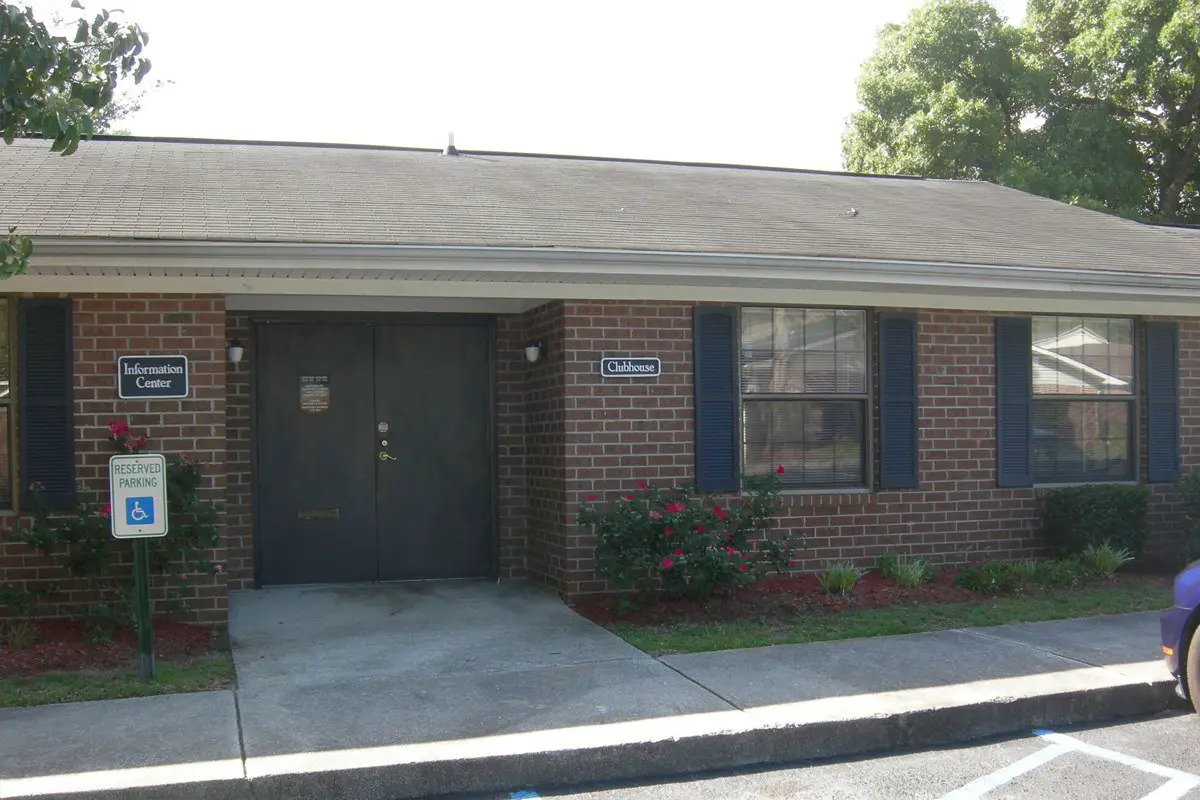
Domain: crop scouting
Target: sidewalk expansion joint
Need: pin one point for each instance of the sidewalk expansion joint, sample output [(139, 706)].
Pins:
[(1035, 648), (687, 677)]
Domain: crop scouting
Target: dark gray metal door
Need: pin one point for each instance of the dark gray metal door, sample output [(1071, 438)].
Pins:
[(434, 500), (336, 504), (316, 479)]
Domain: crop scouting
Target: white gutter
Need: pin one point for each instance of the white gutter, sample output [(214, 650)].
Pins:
[(227, 267)]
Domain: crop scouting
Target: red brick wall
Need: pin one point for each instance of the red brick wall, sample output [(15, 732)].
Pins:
[(106, 326), (618, 432), (238, 524)]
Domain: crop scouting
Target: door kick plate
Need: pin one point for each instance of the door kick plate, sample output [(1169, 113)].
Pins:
[(318, 513)]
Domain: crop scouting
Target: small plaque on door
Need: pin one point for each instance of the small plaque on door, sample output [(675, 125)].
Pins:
[(314, 394), (319, 513)]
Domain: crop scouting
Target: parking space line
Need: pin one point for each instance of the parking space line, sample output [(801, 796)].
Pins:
[(1173, 789), (1174, 775), (981, 786), (1178, 784)]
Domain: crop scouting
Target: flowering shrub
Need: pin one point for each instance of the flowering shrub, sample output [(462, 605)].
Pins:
[(672, 541), (81, 541)]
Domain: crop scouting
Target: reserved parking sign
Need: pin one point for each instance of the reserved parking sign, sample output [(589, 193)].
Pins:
[(137, 488)]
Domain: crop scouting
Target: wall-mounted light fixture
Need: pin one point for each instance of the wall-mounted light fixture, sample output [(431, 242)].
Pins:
[(235, 351), (534, 351)]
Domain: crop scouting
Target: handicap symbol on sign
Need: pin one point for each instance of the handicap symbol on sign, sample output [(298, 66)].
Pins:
[(139, 510)]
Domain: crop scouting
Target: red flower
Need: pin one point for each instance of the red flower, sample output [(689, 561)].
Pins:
[(674, 508), (791, 563), (641, 484), (676, 552), (118, 428), (667, 531), (729, 550), (779, 470), (742, 567), (666, 563), (629, 497), (106, 511), (182, 576), (719, 513), (591, 498), (699, 529)]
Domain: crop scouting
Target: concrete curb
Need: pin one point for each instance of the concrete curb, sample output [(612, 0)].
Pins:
[(715, 750), (835, 727)]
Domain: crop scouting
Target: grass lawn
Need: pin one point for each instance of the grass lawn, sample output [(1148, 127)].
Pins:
[(819, 625), (198, 674)]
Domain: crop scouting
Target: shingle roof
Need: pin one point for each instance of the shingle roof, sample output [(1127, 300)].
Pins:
[(254, 192)]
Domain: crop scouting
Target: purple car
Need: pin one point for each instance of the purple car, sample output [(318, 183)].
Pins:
[(1181, 634)]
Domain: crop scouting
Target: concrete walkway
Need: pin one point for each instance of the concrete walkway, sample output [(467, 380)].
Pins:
[(417, 690)]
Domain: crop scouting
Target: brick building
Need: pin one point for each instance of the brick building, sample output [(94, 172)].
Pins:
[(419, 392)]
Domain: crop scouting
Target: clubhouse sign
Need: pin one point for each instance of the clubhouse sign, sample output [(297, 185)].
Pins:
[(630, 367)]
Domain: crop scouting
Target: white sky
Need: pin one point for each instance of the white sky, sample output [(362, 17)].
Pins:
[(747, 82)]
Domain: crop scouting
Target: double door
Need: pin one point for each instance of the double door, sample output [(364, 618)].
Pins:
[(374, 452)]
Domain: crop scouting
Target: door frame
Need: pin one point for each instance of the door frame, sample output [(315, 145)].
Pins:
[(258, 319)]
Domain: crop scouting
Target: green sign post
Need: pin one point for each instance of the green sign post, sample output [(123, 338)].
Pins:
[(137, 488)]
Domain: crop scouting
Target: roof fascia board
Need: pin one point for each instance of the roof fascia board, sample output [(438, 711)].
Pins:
[(534, 293), (584, 266)]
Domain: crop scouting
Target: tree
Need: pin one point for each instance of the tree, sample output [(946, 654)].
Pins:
[(57, 89), (1095, 102)]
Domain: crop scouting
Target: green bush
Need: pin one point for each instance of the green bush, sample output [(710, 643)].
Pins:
[(1079, 516), (886, 563), (1188, 490), (656, 540), (1104, 559), (911, 573), (839, 578), (990, 577)]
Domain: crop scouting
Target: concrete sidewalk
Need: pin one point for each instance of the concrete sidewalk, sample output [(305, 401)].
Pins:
[(604, 711)]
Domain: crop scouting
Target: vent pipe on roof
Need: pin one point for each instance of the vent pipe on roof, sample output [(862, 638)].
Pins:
[(450, 150)]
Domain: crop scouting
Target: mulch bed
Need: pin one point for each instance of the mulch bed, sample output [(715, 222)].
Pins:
[(60, 646), (783, 598)]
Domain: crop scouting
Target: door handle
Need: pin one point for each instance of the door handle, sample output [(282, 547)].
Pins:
[(386, 456)]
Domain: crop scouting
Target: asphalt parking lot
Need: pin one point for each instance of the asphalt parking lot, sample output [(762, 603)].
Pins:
[(1144, 759)]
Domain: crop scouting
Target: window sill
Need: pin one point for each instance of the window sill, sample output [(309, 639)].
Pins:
[(1072, 484), (861, 490)]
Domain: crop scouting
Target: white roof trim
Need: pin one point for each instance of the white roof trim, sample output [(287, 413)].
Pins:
[(237, 268)]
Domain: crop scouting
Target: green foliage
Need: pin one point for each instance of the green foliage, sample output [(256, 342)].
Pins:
[(672, 541), (910, 573), (1104, 559), (840, 577), (990, 577), (58, 89), (1078, 516), (1093, 102), (18, 634), (81, 543), (886, 563), (1187, 489)]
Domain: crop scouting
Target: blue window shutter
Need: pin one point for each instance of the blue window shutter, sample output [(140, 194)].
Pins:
[(715, 336), (897, 401), (47, 446), (1162, 401), (1014, 401)]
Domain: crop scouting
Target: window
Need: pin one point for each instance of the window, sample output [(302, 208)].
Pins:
[(7, 396), (804, 395), (1083, 399)]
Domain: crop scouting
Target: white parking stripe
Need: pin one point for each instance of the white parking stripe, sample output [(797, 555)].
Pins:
[(1173, 789), (1121, 758), (981, 786)]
